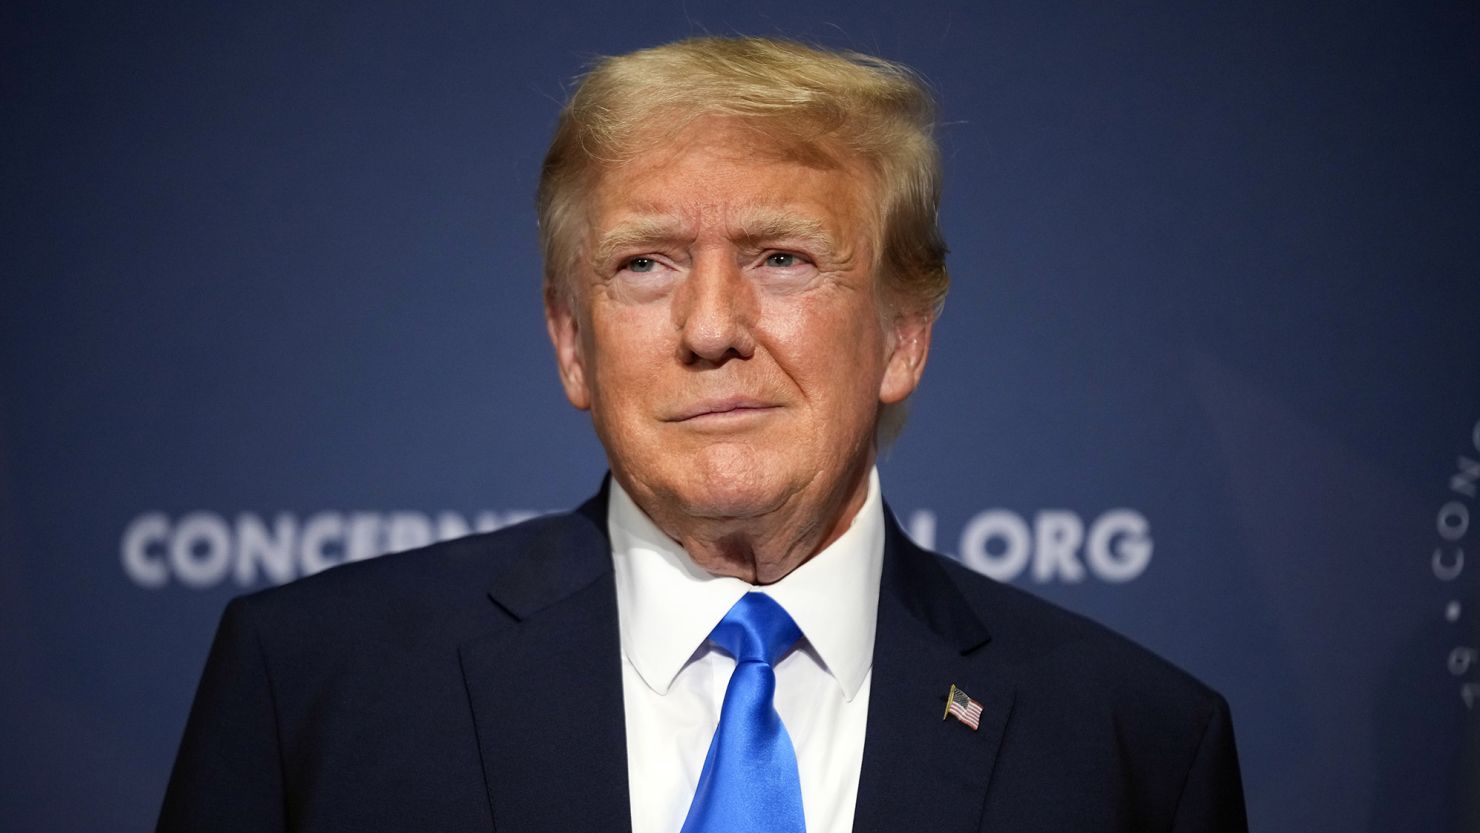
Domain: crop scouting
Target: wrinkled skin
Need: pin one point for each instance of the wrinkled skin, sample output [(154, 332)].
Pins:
[(728, 336)]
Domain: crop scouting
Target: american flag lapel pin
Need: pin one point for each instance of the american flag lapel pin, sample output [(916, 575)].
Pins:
[(965, 709)]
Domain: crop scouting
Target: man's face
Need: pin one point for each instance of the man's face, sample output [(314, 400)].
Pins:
[(728, 335)]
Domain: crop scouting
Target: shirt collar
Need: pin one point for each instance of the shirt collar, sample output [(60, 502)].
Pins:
[(667, 604)]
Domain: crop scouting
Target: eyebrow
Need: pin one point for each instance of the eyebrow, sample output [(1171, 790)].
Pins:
[(635, 233), (755, 228), (761, 227)]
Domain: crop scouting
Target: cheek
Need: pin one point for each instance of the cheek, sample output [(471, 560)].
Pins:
[(834, 351), (626, 349), (830, 319)]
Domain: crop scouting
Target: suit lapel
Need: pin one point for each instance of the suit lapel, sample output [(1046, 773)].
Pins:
[(921, 772), (546, 686)]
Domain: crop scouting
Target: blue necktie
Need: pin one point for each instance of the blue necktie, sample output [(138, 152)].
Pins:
[(749, 783)]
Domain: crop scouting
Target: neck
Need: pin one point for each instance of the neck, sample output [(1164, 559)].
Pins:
[(765, 548)]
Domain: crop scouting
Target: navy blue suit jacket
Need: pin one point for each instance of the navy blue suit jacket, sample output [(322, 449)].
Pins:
[(476, 685)]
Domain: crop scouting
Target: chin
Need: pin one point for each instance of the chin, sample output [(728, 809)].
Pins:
[(729, 482), (722, 504)]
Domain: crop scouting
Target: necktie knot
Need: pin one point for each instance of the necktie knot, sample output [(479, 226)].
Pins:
[(756, 629)]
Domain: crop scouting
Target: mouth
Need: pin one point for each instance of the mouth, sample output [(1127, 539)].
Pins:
[(723, 410)]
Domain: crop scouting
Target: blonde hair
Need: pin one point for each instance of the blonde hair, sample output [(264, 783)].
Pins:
[(809, 99)]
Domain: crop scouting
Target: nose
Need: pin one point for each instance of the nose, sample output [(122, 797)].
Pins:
[(713, 310)]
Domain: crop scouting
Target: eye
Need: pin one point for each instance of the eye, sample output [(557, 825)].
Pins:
[(640, 264), (782, 260)]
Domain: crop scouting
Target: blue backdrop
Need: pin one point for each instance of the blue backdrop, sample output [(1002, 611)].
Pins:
[(1209, 371)]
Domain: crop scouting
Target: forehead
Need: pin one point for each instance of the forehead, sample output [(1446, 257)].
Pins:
[(724, 171)]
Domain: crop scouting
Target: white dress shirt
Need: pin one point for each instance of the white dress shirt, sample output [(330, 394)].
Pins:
[(673, 681)]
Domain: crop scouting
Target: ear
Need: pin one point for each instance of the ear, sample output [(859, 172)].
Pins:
[(565, 335), (906, 360)]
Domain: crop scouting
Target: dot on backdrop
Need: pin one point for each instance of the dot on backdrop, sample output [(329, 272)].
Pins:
[(1209, 371)]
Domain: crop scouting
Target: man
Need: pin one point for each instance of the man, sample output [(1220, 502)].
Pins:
[(742, 272)]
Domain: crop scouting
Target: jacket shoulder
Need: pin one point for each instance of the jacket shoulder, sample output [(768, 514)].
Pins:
[(441, 585), (1088, 702), (1055, 646)]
